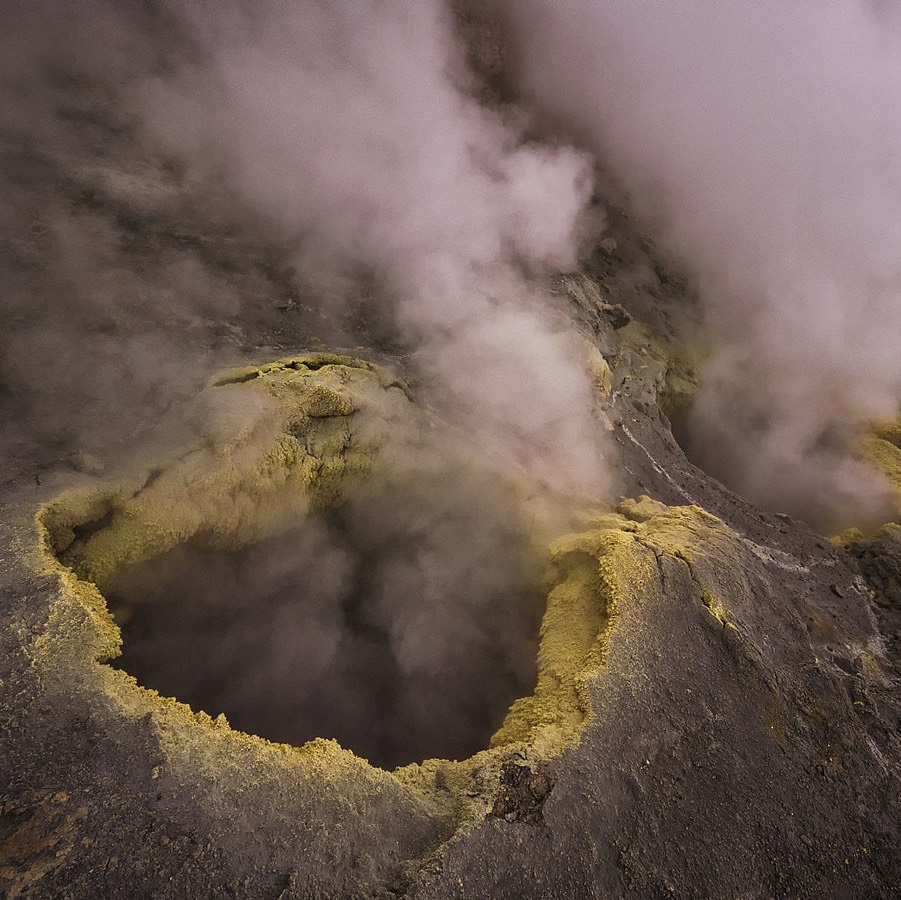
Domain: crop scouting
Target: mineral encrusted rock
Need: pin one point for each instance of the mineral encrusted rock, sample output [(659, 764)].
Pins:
[(717, 704)]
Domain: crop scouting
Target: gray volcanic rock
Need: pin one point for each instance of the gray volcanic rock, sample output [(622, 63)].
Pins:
[(718, 702)]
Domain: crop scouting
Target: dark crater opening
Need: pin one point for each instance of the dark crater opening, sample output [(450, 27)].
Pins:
[(402, 624)]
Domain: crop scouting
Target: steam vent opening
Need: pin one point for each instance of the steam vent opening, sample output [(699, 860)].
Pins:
[(327, 563), (372, 631)]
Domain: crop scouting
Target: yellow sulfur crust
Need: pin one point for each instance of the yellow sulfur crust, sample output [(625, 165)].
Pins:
[(300, 434)]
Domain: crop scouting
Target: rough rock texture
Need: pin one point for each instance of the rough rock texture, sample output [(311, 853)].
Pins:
[(717, 709)]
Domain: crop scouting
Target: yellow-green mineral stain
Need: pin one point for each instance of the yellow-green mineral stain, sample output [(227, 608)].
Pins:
[(889, 431), (299, 435), (885, 455), (881, 450), (716, 608), (600, 571), (310, 435)]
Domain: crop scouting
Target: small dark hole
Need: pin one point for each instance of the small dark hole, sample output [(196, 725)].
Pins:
[(237, 379), (86, 529)]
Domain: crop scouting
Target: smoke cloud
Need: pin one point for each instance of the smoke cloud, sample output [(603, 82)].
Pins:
[(354, 130), (764, 142), (175, 168), (112, 307)]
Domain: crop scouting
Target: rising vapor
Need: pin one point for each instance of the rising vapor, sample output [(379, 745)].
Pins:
[(764, 142), (354, 130)]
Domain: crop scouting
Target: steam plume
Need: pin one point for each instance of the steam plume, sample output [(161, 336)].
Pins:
[(353, 129), (764, 141)]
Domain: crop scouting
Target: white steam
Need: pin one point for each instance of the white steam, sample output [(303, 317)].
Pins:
[(765, 140), (354, 129)]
